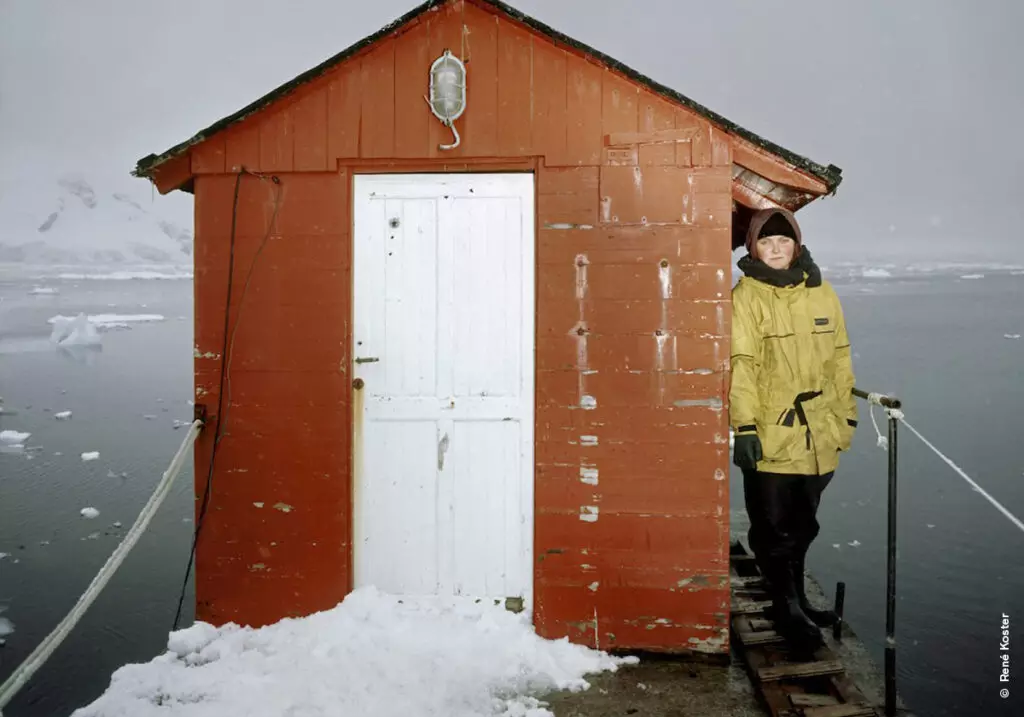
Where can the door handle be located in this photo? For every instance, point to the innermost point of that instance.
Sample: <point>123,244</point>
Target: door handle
<point>367,359</point>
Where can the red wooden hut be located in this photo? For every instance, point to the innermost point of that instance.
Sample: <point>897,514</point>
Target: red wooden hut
<point>495,366</point>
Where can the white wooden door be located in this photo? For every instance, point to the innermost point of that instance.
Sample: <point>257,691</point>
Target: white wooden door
<point>444,420</point>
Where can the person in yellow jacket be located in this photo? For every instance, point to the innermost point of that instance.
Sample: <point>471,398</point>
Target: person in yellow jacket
<point>790,408</point>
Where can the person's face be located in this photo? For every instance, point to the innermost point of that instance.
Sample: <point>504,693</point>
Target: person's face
<point>776,251</point>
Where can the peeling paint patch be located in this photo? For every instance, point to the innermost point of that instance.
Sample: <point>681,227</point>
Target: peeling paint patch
<point>567,225</point>
<point>695,580</point>
<point>698,372</point>
<point>588,403</point>
<point>588,513</point>
<point>581,276</point>
<point>258,505</point>
<point>196,353</point>
<point>711,644</point>
<point>606,209</point>
<point>665,278</point>
<point>588,440</point>
<point>714,404</point>
<point>257,567</point>
<point>588,475</point>
<point>200,392</point>
<point>283,507</point>
<point>721,440</point>
<point>719,474</point>
<point>593,586</point>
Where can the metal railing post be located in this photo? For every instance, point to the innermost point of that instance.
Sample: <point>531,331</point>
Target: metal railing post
<point>894,404</point>
<point>890,587</point>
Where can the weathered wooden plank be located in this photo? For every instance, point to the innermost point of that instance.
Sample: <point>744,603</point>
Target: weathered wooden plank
<point>748,606</point>
<point>806,699</point>
<point>667,136</point>
<point>479,42</point>
<point>377,122</point>
<point>760,162</point>
<point>549,102</point>
<point>515,91</point>
<point>848,710</point>
<point>310,127</point>
<point>584,105</point>
<point>748,580</point>
<point>277,142</point>
<point>799,669</point>
<point>762,637</point>
<point>344,106</point>
<point>412,114</point>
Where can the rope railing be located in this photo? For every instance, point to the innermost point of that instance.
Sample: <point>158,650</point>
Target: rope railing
<point>51,642</point>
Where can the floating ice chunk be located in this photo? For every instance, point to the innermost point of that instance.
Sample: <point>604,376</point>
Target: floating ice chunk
<point>90,456</point>
<point>89,513</point>
<point>62,415</point>
<point>854,543</point>
<point>973,276</point>
<point>6,627</point>
<point>1011,336</point>
<point>930,525</point>
<point>4,555</point>
<point>13,437</point>
<point>74,332</point>
<point>836,546</point>
<point>117,524</point>
<point>876,274</point>
<point>43,291</point>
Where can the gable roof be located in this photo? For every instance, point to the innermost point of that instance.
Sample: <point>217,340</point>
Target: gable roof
<point>830,176</point>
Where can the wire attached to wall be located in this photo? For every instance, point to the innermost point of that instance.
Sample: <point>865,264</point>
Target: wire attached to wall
<point>227,354</point>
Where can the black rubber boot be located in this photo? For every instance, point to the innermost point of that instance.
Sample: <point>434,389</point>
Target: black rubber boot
<point>821,618</point>
<point>802,635</point>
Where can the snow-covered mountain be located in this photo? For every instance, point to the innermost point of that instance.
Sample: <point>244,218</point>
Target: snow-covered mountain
<point>72,221</point>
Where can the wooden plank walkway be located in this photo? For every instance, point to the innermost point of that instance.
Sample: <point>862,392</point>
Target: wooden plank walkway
<point>819,688</point>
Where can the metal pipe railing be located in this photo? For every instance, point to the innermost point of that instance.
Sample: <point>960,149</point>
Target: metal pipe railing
<point>894,406</point>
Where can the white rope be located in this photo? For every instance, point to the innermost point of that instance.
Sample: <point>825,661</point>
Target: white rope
<point>52,641</point>
<point>1013,519</point>
<point>883,443</point>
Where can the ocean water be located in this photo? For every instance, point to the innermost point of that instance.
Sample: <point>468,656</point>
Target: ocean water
<point>933,338</point>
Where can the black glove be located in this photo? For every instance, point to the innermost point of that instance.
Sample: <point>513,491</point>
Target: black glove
<point>746,450</point>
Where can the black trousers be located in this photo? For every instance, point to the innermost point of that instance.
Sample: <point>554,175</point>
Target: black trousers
<point>783,513</point>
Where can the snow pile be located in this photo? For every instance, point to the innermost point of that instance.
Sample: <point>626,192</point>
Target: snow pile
<point>371,655</point>
<point>78,331</point>
<point>49,219</point>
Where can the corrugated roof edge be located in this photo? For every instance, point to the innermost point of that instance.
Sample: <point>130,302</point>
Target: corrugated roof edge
<point>830,175</point>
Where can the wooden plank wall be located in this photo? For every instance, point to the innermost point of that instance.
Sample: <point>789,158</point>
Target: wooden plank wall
<point>634,211</point>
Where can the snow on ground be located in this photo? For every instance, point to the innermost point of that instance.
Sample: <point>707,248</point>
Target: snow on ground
<point>371,655</point>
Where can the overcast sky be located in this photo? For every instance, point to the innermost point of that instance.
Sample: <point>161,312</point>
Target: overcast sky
<point>918,101</point>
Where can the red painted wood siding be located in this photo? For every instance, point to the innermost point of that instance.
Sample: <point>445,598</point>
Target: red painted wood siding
<point>633,314</point>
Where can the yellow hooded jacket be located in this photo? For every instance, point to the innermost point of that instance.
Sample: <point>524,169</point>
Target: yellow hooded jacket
<point>792,375</point>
